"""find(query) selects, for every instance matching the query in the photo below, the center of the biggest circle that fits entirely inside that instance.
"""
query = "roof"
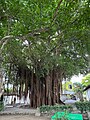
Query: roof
(87, 88)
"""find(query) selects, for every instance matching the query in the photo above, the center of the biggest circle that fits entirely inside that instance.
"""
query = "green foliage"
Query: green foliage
(66, 86)
(86, 80)
(1, 106)
(10, 90)
(83, 106)
(78, 87)
(48, 108)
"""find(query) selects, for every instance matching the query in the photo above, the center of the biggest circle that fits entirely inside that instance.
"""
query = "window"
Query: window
(70, 86)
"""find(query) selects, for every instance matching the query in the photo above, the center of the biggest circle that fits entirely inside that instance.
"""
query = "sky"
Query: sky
(77, 78)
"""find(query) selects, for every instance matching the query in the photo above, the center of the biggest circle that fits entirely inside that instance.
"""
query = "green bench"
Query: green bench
(69, 116)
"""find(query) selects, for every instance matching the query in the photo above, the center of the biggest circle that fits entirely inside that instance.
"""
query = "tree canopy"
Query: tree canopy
(52, 32)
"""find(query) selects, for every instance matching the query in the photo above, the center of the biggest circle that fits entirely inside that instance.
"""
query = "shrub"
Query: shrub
(83, 106)
(1, 106)
(48, 108)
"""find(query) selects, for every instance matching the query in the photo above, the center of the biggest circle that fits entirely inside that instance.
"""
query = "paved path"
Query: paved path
(16, 113)
(22, 117)
(16, 110)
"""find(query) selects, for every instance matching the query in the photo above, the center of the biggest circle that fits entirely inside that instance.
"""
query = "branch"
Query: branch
(6, 37)
(4, 41)
(38, 31)
(56, 11)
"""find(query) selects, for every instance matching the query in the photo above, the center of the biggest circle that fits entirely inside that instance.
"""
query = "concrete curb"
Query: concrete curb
(88, 115)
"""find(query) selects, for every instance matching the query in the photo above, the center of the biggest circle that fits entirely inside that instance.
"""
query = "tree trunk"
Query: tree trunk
(26, 84)
(32, 90)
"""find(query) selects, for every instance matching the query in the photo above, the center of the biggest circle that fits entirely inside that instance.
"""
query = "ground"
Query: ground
(20, 113)
(22, 117)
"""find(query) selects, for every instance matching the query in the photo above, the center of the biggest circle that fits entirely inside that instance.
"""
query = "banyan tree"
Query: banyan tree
(42, 43)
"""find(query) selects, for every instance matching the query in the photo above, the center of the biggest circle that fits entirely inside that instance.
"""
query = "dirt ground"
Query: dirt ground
(22, 117)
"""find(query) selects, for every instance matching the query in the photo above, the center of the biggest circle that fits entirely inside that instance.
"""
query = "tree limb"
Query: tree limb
(55, 13)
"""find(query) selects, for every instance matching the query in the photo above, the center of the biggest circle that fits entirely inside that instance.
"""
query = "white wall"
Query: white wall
(8, 99)
(88, 94)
